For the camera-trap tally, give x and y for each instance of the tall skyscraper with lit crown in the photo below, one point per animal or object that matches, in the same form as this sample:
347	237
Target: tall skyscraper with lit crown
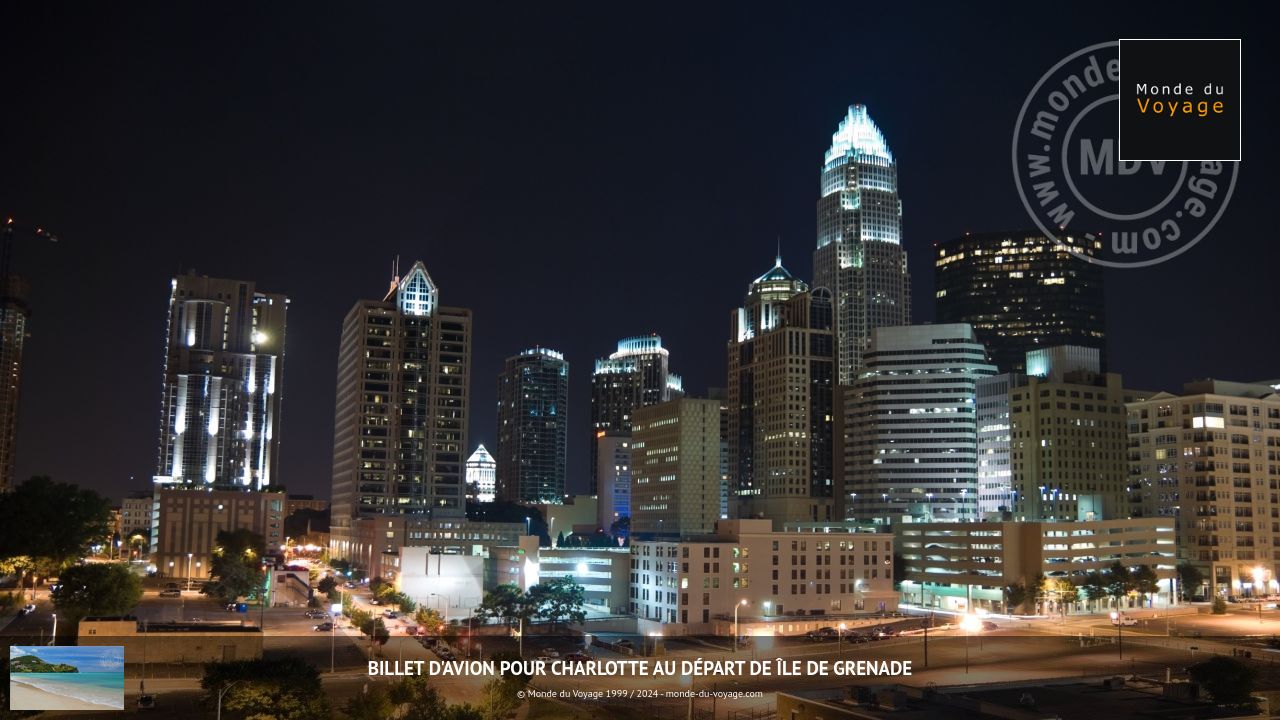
860	258
780	399
636	375
403	394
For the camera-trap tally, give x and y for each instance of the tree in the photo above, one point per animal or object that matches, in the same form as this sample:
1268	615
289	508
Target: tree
1190	579
1015	596
1095	587
57	521
236	569
1145	581
558	599
138	541
621	528
505	603
1228	681
280	689
500	697
373	704
414	699
326	584
96	589
1119	582
1219	605
428	618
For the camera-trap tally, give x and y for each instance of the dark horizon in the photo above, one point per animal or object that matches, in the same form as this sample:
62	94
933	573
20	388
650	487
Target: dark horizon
573	180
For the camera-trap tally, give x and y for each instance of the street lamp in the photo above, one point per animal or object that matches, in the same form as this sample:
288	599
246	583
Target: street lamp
969	624
222	692
189	556
1259	576
740	604
1118	619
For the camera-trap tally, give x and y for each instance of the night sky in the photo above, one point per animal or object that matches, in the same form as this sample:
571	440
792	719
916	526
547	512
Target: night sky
573	178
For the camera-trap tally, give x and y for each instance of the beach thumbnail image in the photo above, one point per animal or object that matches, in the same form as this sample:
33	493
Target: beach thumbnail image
66	678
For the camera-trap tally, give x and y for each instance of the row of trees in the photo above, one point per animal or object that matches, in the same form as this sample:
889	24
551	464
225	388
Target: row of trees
557	600
49	528
1113	585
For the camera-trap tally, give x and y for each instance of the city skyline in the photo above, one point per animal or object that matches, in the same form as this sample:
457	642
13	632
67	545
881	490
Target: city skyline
131	222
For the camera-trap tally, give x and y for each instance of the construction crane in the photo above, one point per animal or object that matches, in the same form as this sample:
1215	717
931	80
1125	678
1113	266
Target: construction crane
6	255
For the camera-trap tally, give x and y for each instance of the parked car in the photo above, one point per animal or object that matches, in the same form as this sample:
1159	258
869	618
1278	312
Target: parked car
1124	620
375	601
822	633
313	614
171	592
625	644
550	654
577	657
429	642
988	625
27	609
390	614
324	627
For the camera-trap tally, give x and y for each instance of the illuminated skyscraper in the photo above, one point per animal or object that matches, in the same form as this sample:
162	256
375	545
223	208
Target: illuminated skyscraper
780	395
533	422
400	426
223	375
911	428
635	376
860	258
1021	291
481	475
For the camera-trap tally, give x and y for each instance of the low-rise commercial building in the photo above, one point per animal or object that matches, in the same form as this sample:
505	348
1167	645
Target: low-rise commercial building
373	544
188	523
775	579
965	566
172	643
603	573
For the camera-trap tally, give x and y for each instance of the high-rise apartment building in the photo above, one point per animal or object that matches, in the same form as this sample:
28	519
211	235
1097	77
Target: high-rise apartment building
995	471
675	477
781	359
1068	436
911	440
1021	291
613	477
403	396
1210	458
635	375
482	474
860	258
223	376
778	579
14	314
533	421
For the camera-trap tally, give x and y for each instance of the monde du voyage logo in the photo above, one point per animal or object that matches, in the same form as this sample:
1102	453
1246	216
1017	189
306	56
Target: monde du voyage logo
1131	170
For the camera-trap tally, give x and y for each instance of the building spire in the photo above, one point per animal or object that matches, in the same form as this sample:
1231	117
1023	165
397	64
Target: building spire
777	259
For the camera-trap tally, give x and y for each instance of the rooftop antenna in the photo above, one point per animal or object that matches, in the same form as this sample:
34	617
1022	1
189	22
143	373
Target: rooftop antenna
777	259
395	279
